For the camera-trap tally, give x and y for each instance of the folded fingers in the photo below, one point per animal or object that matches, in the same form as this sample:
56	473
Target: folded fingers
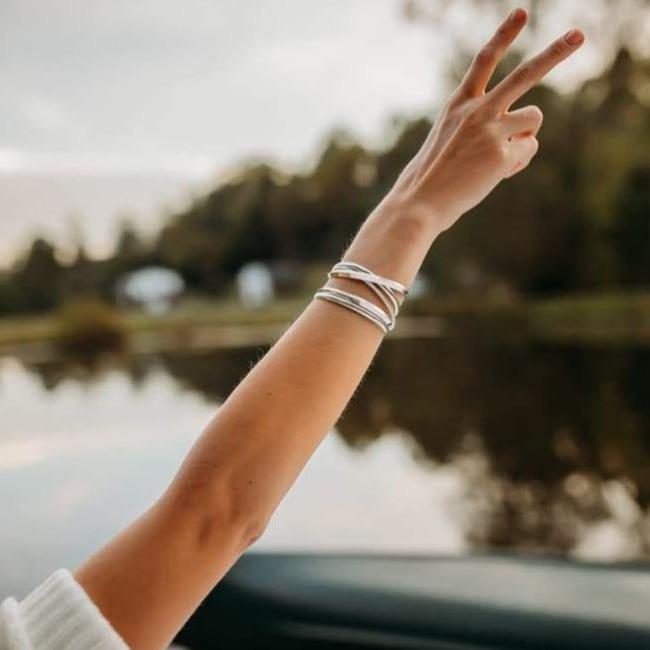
522	150
523	121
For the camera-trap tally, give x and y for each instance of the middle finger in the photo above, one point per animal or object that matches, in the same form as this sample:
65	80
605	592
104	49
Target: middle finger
527	74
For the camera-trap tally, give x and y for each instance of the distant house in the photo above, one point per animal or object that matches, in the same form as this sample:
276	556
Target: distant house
153	288
255	287
258	283
420	286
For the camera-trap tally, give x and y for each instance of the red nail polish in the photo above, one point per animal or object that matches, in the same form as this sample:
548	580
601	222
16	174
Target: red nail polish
574	37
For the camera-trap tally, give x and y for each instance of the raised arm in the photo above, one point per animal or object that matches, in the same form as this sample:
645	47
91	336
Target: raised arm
150	578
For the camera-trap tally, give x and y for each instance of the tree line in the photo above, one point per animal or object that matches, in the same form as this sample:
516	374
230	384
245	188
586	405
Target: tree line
577	220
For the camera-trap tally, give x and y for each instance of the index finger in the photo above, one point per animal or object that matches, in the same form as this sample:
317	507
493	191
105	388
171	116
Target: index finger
527	74
487	58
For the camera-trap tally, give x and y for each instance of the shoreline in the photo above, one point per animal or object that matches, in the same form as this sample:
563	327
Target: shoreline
596	319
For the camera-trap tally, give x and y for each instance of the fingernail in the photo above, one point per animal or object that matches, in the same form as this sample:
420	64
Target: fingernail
574	37
517	15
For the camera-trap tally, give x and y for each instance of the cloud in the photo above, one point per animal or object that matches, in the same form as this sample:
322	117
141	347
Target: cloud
16	161
48	116
225	79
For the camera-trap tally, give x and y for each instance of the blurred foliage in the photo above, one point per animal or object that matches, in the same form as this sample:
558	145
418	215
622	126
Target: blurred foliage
576	220
610	23
89	327
34	283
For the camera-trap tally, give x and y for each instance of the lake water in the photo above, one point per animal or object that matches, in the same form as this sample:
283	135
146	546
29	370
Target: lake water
450	446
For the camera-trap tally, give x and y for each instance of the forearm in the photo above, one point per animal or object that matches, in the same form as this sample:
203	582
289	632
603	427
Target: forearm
270	425
251	453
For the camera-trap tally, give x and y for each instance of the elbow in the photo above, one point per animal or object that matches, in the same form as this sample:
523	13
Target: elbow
213	533
236	525
224	520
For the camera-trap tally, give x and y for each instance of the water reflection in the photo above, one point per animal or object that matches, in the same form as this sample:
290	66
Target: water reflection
553	442
563	434
81	459
449	444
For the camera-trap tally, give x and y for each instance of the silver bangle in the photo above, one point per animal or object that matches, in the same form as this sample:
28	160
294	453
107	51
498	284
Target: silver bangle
387	290
356	304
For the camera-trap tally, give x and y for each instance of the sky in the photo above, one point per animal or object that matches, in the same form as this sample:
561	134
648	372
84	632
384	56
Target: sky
114	107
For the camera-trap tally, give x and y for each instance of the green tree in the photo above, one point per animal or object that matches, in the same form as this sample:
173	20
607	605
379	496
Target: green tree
36	280
633	228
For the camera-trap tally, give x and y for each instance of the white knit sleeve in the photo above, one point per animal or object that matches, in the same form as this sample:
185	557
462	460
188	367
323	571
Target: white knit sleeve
57	615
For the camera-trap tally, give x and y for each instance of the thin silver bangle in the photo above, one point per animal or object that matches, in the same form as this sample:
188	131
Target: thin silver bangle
357	272
357	304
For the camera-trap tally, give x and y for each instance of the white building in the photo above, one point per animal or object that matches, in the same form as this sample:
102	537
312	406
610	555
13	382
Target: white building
254	283
153	288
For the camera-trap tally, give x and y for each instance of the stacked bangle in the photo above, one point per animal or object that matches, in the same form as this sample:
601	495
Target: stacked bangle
387	290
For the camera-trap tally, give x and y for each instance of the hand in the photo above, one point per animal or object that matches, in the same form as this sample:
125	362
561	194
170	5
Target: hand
476	141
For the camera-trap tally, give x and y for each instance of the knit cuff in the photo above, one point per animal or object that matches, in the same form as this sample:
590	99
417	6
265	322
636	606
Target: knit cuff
59	614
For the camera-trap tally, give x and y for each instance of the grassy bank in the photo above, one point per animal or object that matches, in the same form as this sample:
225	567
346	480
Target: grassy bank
613	318
608	318
182	323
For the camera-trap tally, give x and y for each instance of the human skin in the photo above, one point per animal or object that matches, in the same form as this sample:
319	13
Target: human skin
149	579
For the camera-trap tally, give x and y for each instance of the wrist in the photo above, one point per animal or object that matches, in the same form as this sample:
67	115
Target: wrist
396	237
410	218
